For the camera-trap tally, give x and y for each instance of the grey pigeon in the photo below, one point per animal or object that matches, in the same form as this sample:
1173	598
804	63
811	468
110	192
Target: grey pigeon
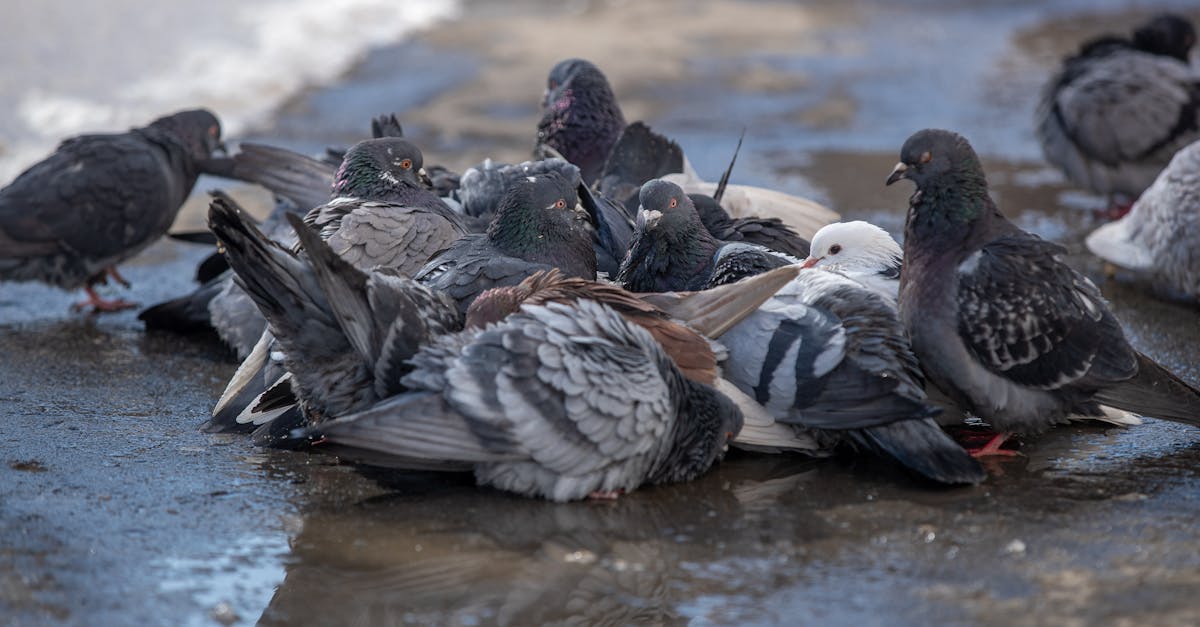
381	218
861	251
1160	237
98	200
673	251
1000	323
538	226
1117	111
639	155
559	401
829	356
345	334
581	120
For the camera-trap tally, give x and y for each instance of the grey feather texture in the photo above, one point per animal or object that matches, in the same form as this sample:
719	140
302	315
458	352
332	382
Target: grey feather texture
1160	237
828	355
1115	113
556	401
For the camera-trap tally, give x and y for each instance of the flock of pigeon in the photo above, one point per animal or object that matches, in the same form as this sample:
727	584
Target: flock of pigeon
597	319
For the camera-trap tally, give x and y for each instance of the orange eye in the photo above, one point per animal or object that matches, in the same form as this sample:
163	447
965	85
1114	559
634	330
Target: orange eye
674	203
406	164
926	156
561	203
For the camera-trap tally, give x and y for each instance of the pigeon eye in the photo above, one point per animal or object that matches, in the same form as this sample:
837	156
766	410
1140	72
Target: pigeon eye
560	204
406	164
674	203
835	249
926	156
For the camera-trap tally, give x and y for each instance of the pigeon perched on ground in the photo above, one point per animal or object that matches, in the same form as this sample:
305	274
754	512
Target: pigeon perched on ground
482	187
69	219
538	226
861	251
999	322
560	401
1117	111
1160	238
581	119
830	357
673	251
345	334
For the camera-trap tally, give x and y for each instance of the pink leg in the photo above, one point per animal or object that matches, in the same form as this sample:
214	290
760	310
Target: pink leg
606	495
99	305
992	448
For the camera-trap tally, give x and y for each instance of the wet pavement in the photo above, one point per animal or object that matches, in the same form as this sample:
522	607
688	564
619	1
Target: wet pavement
115	510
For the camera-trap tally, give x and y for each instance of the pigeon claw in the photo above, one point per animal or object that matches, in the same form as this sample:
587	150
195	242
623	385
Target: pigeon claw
116	276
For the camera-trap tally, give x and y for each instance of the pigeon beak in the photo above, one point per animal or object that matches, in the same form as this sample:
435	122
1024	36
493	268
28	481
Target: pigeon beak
898	172
810	262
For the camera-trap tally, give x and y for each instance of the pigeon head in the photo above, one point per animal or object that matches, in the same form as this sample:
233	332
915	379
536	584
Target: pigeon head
933	158
708	422
855	246
539	219
373	167
572	75
665	209
198	130
1168	35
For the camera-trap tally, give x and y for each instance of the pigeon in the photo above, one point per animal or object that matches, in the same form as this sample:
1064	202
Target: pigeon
999	322
345	334
380	216
482	187
708	313
98	200
560	401
769	233
673	251
581	120
537	227
1115	113
861	251
830	357
1160	237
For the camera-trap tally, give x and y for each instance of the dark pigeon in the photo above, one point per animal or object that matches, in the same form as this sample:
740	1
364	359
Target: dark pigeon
381	126
1115	113
345	334
673	251
1000	323
581	119
769	233
538	409
98	200
537	227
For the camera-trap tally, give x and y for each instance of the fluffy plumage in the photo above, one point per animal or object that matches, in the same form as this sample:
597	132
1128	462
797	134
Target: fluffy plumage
1115	113
1160	237
537	227
861	251
557	401
1000	323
